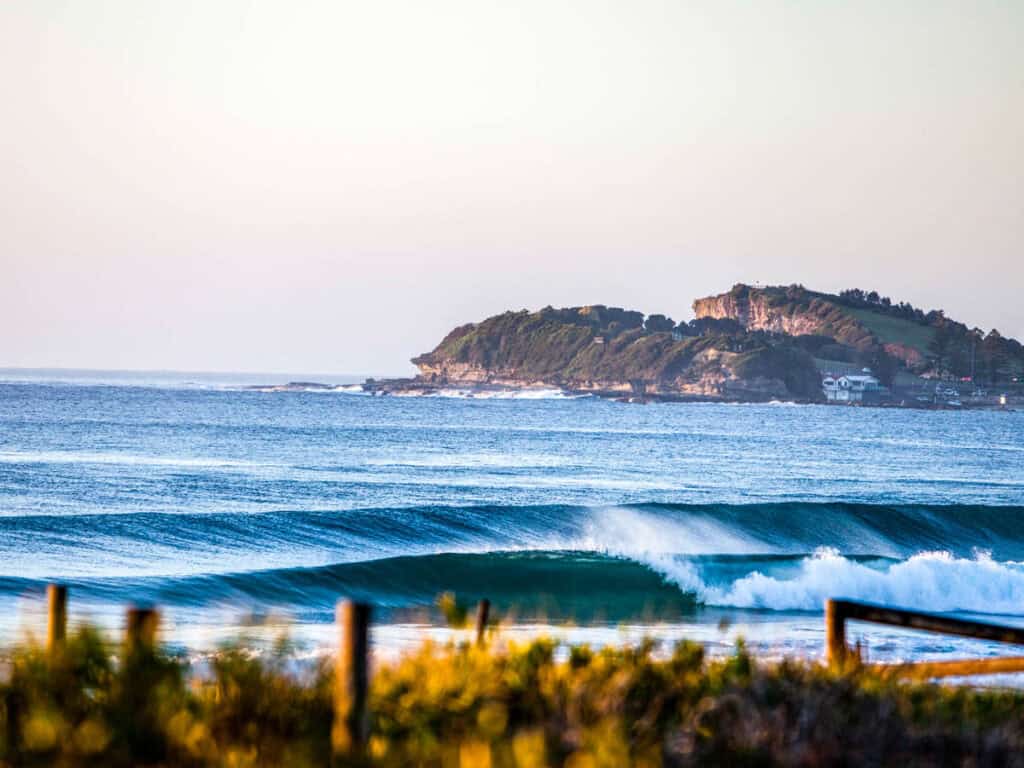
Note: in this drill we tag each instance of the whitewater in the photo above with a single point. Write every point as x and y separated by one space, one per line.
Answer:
604 521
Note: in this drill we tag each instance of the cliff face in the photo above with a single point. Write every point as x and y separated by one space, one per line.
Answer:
793 311
608 349
756 313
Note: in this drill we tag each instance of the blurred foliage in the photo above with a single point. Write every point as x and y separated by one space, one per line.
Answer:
465 705
455 613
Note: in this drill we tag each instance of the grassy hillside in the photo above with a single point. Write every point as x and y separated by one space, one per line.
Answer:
895 330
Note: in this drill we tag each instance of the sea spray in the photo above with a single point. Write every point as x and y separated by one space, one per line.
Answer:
639 532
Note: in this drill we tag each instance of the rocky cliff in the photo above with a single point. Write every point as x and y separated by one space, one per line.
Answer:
791 310
607 349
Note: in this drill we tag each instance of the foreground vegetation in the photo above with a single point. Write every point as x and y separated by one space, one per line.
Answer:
466 705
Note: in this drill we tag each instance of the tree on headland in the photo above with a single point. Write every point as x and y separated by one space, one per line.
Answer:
995 358
939 348
659 324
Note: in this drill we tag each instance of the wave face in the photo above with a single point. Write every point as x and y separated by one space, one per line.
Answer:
585 563
206 494
151 544
583 586
587 586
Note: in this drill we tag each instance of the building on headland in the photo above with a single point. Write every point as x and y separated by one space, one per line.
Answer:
853 388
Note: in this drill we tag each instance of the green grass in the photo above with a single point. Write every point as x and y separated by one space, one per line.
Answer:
895 330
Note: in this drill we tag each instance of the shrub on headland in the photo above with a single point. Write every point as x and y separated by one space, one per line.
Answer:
469 705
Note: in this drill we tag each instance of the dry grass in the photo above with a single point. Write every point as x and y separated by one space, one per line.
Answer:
463 705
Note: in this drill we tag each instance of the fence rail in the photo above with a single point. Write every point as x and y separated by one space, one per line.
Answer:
837 652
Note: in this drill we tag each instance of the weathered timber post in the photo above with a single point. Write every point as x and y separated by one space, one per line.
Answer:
835 634
140 630
350 729
141 673
483 612
13 730
57 617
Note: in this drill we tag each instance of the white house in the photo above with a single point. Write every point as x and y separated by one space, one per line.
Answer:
848 388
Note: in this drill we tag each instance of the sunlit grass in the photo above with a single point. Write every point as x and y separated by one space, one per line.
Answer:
463 704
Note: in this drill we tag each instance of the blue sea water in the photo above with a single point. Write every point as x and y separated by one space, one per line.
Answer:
218 502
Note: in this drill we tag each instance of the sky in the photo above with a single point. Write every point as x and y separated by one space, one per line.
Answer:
332 186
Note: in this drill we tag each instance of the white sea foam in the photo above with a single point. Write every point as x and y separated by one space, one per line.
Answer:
930 581
544 394
345 389
449 460
497 394
85 457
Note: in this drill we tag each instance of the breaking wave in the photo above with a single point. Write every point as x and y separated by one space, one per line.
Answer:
588 585
931 581
615 562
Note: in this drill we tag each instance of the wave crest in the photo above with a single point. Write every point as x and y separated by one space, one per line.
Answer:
930 581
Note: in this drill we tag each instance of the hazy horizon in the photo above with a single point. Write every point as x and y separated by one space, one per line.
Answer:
254 186
36 373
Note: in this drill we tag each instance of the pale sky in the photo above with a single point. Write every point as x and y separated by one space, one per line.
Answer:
331 186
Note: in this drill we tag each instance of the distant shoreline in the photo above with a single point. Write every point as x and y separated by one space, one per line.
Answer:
415 386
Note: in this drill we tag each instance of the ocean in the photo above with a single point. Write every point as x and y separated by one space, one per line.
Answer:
247 513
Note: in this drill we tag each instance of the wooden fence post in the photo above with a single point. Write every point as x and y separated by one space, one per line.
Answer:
13 730
483 612
835 634
351 723
140 630
57 617
141 673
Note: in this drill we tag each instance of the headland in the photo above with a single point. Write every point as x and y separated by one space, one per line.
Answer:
750 344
